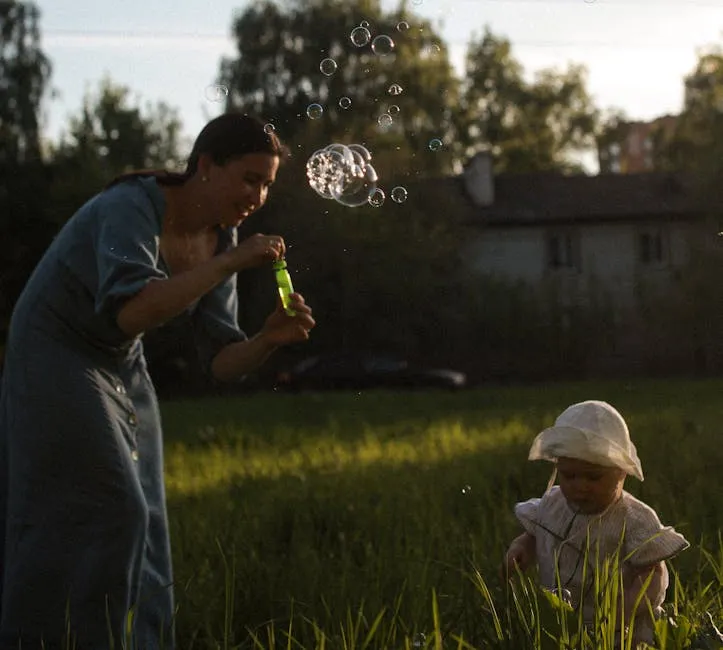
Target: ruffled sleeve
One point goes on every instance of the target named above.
(527, 513)
(126, 245)
(647, 541)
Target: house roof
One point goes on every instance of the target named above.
(536, 198)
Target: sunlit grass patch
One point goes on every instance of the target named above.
(337, 520)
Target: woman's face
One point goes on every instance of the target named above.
(240, 187)
(587, 487)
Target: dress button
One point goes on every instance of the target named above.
(132, 419)
(120, 388)
(134, 455)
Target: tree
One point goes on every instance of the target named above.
(24, 73)
(612, 131)
(696, 146)
(277, 74)
(528, 126)
(110, 135)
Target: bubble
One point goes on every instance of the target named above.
(345, 102)
(385, 120)
(328, 66)
(364, 23)
(360, 36)
(323, 170)
(466, 489)
(358, 191)
(341, 150)
(342, 173)
(402, 26)
(269, 128)
(399, 194)
(382, 45)
(432, 49)
(362, 150)
(418, 640)
(376, 198)
(393, 109)
(435, 144)
(315, 111)
(216, 93)
(395, 89)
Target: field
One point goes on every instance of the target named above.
(379, 519)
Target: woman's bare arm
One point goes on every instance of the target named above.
(161, 300)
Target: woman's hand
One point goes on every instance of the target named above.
(254, 251)
(282, 329)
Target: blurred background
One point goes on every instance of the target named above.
(565, 226)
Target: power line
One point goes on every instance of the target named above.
(160, 35)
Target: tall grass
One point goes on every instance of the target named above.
(379, 520)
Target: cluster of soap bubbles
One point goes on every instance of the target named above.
(345, 174)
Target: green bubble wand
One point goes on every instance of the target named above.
(283, 282)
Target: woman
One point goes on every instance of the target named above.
(81, 469)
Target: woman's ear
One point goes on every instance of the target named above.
(204, 165)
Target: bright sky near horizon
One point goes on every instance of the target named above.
(637, 51)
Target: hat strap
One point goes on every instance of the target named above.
(551, 482)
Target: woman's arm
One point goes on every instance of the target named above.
(241, 357)
(162, 299)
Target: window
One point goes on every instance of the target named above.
(562, 251)
(650, 247)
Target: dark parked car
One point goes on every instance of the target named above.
(356, 372)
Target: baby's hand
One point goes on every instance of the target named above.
(521, 554)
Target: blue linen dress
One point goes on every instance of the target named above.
(81, 454)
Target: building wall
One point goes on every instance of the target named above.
(617, 256)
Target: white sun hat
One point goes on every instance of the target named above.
(592, 431)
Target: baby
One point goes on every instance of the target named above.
(592, 451)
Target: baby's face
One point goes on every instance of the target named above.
(589, 488)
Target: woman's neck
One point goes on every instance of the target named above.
(184, 213)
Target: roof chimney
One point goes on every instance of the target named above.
(479, 180)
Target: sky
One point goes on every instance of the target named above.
(637, 52)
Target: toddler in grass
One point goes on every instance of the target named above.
(589, 509)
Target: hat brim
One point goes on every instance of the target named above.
(570, 442)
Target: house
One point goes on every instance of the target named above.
(584, 233)
(608, 258)
(615, 229)
(634, 151)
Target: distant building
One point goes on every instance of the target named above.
(609, 232)
(613, 229)
(634, 151)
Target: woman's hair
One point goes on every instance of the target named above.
(224, 138)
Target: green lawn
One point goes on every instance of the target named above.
(318, 520)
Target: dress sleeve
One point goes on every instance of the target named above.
(126, 246)
(647, 541)
(527, 513)
(215, 319)
(215, 322)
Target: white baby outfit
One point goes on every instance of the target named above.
(594, 431)
(561, 537)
